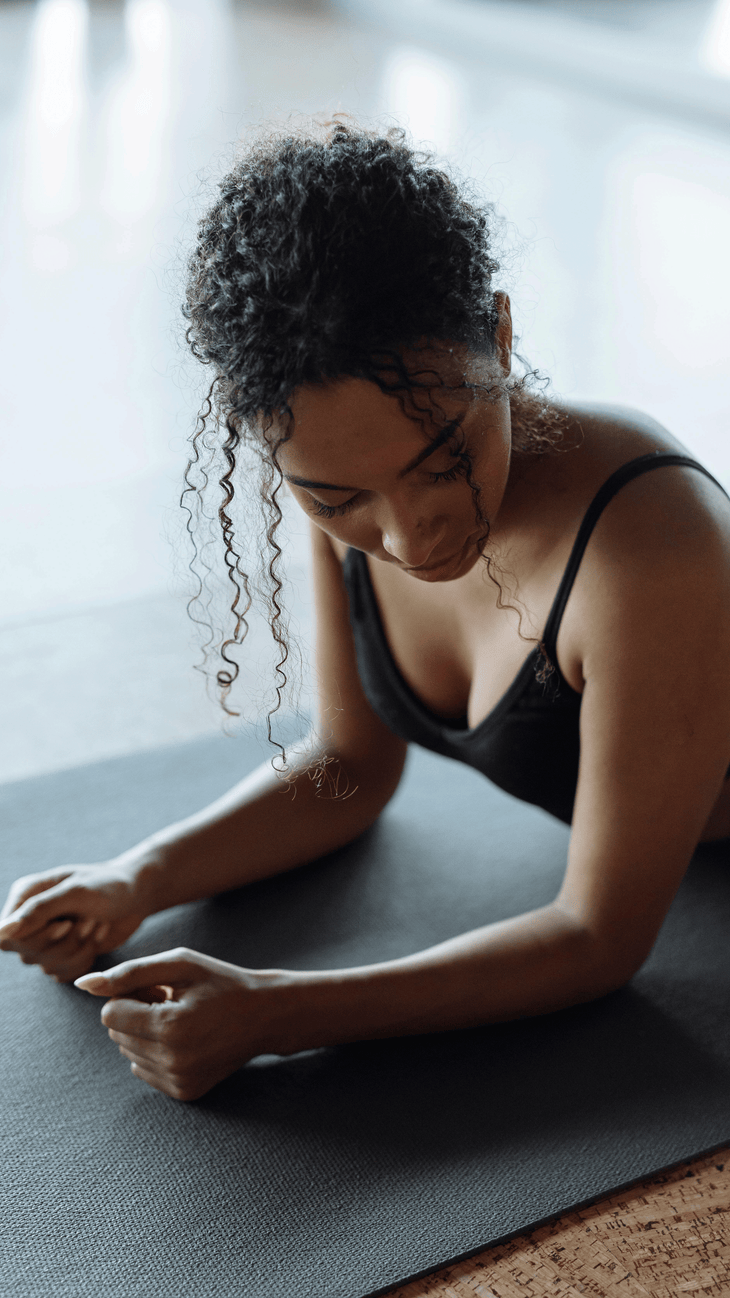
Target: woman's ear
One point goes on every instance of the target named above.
(503, 336)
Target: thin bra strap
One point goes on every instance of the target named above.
(617, 480)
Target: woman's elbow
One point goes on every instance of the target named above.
(603, 962)
(613, 966)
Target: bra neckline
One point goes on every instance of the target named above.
(447, 725)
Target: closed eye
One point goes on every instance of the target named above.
(331, 511)
(450, 475)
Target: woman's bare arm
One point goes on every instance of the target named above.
(649, 624)
(258, 828)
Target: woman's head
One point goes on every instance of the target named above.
(340, 276)
(389, 477)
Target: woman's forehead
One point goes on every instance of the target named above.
(439, 381)
(348, 422)
(347, 404)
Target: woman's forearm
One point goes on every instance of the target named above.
(258, 828)
(532, 964)
(222, 1015)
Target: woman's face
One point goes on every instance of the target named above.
(363, 471)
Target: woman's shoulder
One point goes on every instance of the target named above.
(658, 555)
(606, 434)
(598, 439)
(671, 521)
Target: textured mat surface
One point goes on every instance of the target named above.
(341, 1172)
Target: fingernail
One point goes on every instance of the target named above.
(87, 982)
(102, 931)
(85, 927)
(61, 928)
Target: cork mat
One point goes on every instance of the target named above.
(663, 1238)
(351, 1171)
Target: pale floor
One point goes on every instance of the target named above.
(115, 120)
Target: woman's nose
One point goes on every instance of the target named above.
(414, 545)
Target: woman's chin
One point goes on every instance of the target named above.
(457, 566)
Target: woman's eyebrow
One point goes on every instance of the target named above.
(422, 455)
(322, 486)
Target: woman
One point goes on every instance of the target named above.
(538, 590)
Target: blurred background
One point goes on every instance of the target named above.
(600, 129)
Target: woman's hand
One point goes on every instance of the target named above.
(186, 1020)
(63, 919)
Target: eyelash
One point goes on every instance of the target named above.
(331, 511)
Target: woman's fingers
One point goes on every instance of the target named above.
(136, 1057)
(159, 1081)
(58, 929)
(147, 1064)
(134, 1018)
(136, 1047)
(31, 917)
(177, 1087)
(18, 893)
(34, 913)
(81, 929)
(38, 942)
(48, 948)
(142, 1062)
(24, 889)
(85, 901)
(59, 940)
(75, 967)
(69, 956)
(66, 960)
(179, 969)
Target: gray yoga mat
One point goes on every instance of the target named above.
(342, 1172)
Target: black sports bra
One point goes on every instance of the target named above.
(529, 743)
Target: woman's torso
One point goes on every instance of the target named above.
(459, 653)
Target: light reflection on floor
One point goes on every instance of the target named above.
(617, 264)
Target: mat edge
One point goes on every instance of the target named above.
(535, 1225)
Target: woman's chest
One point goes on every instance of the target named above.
(458, 645)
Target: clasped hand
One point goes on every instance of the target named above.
(63, 919)
(184, 1020)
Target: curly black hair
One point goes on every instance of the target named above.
(331, 251)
